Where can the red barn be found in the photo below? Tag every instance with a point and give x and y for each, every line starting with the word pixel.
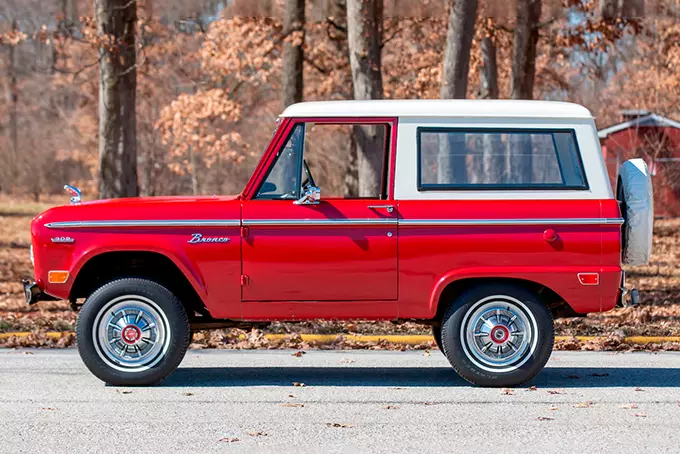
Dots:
pixel 654 138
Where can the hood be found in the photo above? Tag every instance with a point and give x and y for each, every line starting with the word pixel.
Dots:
pixel 146 208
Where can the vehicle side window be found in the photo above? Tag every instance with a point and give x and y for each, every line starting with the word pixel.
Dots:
pixel 498 159
pixel 283 180
pixel 331 151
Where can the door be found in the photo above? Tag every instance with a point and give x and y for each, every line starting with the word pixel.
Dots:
pixel 331 249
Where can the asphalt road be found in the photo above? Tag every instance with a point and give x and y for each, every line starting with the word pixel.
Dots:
pixel 352 401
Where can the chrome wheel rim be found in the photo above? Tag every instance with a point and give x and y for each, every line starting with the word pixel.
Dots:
pixel 499 333
pixel 131 333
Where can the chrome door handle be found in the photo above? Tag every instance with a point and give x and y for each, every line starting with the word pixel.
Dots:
pixel 389 208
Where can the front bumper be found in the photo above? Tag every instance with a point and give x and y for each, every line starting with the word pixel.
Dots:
pixel 33 293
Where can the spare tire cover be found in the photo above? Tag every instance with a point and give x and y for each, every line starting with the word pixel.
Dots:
pixel 634 191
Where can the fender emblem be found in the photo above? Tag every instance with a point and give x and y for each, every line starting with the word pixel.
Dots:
pixel 62 239
pixel 198 238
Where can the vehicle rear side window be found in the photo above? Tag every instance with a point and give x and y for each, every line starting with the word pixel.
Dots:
pixel 498 159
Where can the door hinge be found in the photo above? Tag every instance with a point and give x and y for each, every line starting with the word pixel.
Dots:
pixel 244 232
pixel 244 280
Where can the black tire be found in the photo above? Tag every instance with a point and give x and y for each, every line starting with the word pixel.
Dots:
pixel 462 334
pixel 162 306
pixel 437 334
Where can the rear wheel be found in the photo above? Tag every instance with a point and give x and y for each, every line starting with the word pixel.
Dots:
pixel 497 335
pixel 132 332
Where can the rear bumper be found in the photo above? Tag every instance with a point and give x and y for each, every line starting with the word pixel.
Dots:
pixel 628 297
pixel 33 293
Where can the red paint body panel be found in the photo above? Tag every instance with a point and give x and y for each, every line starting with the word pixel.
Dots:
pixel 213 269
pixel 317 262
pixel 431 257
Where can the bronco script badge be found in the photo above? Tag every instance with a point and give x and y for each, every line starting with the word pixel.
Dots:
pixel 198 238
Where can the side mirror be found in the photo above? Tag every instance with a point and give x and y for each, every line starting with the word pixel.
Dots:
pixel 310 196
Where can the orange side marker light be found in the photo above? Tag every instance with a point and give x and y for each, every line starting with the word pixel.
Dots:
pixel 57 276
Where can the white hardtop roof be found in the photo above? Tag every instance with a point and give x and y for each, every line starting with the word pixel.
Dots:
pixel 439 108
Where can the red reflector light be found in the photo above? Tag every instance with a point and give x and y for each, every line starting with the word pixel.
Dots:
pixel 589 278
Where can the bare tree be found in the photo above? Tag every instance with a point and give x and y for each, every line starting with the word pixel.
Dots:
pixel 293 29
pixel 116 23
pixel 364 32
pixel 610 10
pixel 488 70
pixel 493 160
pixel 13 120
pixel 524 49
pixel 522 83
pixel 456 66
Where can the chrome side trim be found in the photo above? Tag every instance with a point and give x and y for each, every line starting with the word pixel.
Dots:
pixel 316 222
pixel 483 222
pixel 147 223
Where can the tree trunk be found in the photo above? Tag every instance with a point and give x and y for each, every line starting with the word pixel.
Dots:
pixel 193 161
pixel 117 99
pixel 524 49
pixel 493 159
pixel 522 83
pixel 13 120
pixel 459 36
pixel 488 70
pixel 451 162
pixel 338 17
pixel 293 27
pixel 364 34
pixel 610 10
pixel 70 10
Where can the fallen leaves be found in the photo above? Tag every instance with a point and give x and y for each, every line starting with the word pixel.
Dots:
pixel 187 394
pixel 544 418
pixel 391 407
pixel 586 404
pixel 338 425
pixel 123 391
pixel 293 405
pixel 229 440
pixel 507 391
pixel 531 388
pixel 298 384
pixel 555 391
pixel 49 408
pixel 640 415
pixel 298 354
pixel 258 434
pixel 638 389
pixel 629 406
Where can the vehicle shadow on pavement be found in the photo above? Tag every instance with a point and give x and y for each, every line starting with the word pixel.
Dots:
pixel 552 377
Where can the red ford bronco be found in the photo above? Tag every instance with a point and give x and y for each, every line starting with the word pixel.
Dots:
pixel 485 220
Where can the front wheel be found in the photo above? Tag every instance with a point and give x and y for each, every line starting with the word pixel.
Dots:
pixel 132 332
pixel 497 335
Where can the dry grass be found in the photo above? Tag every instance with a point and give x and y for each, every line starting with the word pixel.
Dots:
pixel 658 282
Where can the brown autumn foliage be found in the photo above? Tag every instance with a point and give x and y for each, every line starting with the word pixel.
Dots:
pixel 209 90
pixel 209 79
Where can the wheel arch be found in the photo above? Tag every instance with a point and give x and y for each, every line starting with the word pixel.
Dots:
pixel 105 267
pixel 449 291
